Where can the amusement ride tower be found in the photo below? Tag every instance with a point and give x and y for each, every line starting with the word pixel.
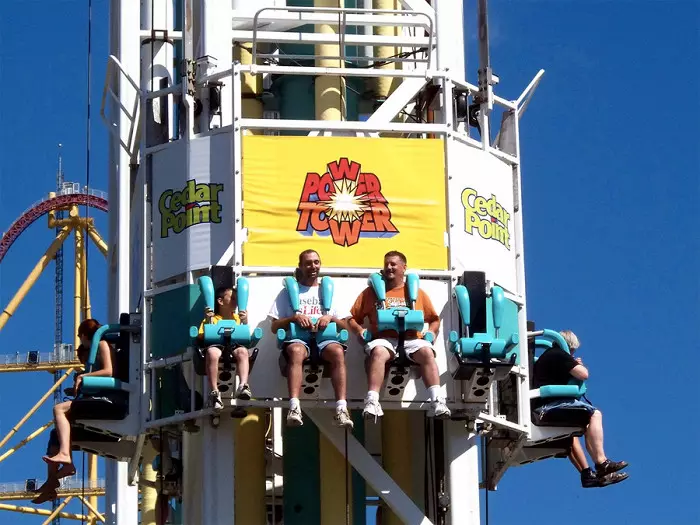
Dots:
pixel 244 132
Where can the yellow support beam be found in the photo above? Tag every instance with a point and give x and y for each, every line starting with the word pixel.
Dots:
pixel 396 454
pixel 49 392
pixel 41 367
pixel 42 512
pixel 57 510
pixel 25 441
pixel 62 493
pixel 249 468
pixel 93 508
pixel 97 239
pixel 33 276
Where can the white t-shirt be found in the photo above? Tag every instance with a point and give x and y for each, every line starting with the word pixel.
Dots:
pixel 309 304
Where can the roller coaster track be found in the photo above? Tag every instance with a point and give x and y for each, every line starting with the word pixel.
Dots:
pixel 71 195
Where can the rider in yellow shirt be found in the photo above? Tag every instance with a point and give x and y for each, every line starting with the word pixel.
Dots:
pixel 225 308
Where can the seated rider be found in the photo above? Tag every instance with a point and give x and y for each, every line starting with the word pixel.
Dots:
pixel 295 351
pixel 383 346
pixel 61 462
pixel 556 367
pixel 225 308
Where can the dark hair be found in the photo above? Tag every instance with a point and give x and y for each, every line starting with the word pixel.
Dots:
pixel 220 292
pixel 307 252
pixel 394 253
pixel 88 328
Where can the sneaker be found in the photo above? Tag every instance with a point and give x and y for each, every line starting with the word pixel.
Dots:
pixel 608 467
pixel 215 400
pixel 439 410
pixel 244 392
pixel 294 417
pixel 372 410
pixel 342 419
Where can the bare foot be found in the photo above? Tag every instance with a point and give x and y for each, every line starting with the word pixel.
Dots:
pixel 46 496
pixel 65 471
pixel 58 458
pixel 49 484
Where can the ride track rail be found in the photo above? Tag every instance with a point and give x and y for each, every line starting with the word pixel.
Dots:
pixel 93 199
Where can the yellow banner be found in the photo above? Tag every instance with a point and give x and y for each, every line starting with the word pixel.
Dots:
pixel 351 199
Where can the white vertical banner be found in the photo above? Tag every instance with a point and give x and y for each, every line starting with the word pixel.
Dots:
pixel 481 208
pixel 192 205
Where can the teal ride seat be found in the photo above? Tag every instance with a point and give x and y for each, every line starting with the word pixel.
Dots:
pixel 399 319
pixel 313 368
pixel 107 398
pixel 484 348
pixel 226 333
pixel 575 389
pixel 311 337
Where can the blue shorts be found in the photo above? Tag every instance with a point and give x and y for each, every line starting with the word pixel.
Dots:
pixel 321 345
pixel 580 404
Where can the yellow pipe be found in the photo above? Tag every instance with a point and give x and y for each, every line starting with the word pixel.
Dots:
pixel 97 239
pixel 251 86
pixel 330 90
pixel 249 468
pixel 49 392
pixel 92 500
pixel 57 510
pixel 33 276
pixel 25 441
pixel 396 454
pixel 387 85
pixel 93 508
pixel 149 495
pixel 85 300
pixel 42 512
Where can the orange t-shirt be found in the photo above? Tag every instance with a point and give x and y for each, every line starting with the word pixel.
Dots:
pixel 366 306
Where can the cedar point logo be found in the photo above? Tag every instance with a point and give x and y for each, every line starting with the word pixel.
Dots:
pixel 345 203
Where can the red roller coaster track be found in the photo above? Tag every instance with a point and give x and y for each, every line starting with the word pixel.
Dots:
pixel 42 208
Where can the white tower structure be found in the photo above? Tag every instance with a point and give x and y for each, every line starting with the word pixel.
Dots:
pixel 244 132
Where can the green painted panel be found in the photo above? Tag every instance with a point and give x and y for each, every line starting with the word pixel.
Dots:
pixel 302 476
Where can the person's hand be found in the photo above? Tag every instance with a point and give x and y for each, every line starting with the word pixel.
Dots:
pixel 578 360
pixel 208 312
pixel 243 316
pixel 323 322
pixel 302 320
pixel 361 337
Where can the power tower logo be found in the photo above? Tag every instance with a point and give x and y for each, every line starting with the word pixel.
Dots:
pixel 486 216
pixel 345 203
pixel 194 204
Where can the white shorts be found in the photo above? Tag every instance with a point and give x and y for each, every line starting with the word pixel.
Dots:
pixel 410 345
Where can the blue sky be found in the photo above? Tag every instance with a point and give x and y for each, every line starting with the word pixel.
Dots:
pixel 610 177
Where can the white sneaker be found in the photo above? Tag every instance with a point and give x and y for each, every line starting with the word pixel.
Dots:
pixel 439 410
pixel 294 417
pixel 215 400
pixel 342 419
pixel 372 410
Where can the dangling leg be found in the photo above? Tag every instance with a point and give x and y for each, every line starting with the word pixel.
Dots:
pixel 60 415
pixel 334 355
pixel 241 356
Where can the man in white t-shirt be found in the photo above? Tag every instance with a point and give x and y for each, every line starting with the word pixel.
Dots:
pixel 295 351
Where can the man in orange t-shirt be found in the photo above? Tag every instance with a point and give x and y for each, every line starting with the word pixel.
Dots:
pixel 383 346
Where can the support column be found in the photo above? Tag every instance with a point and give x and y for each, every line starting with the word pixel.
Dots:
pixel 387 85
pixel 249 468
pixel 149 495
pixel 462 467
pixel 396 456
pixel 217 459
pixel 121 500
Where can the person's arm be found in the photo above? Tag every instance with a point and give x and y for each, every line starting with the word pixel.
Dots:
pixel 430 315
pixel 579 371
pixel 282 315
pixel 357 317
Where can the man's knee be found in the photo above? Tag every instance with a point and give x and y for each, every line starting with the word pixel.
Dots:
pixel 380 354
pixel 333 353
pixel 296 353
pixel 423 355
